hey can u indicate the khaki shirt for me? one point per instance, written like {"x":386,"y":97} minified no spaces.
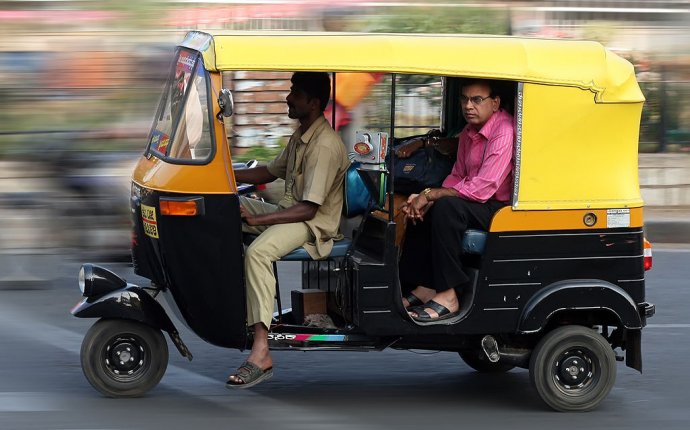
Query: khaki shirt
{"x":313,"y":165}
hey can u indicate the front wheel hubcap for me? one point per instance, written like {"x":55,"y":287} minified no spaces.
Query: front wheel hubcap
{"x":125,"y":358}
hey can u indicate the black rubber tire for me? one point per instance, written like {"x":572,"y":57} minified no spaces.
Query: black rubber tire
{"x":146,"y":351}
{"x":573,"y":368}
{"x":477,"y":360}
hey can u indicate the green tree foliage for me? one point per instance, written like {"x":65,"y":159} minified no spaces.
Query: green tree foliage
{"x":600,"y":31}
{"x":441,"y":19}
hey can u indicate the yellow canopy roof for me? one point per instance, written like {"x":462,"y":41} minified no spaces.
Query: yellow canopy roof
{"x":586,"y":65}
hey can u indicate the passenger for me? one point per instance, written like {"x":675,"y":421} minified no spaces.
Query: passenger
{"x":313,"y":165}
{"x":447,"y":142}
{"x":480,"y":183}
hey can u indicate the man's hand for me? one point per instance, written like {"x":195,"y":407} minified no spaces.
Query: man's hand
{"x":418,"y":206}
{"x":415,"y":207}
{"x":247,"y":217}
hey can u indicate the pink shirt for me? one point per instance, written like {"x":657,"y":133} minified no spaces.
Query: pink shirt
{"x":483,"y":168}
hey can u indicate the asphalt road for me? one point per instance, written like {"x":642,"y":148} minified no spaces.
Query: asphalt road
{"x":42,"y":386}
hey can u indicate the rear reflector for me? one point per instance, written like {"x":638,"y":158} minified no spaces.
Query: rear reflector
{"x":179,"y":208}
{"x":647,"y":255}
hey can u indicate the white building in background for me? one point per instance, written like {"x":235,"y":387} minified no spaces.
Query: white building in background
{"x":658,"y":27}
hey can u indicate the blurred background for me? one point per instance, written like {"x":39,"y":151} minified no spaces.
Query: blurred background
{"x":79,"y":82}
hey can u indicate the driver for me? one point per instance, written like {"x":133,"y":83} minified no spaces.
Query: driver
{"x":313,"y":164}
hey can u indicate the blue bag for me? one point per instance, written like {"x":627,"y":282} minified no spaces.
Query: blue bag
{"x":357,"y":199}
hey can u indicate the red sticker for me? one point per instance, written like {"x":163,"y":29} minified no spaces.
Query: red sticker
{"x":362,"y":148}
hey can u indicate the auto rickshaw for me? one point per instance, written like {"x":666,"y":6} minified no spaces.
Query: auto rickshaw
{"x":558,"y":280}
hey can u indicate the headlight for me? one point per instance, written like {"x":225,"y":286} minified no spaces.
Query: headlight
{"x":81,"y":280}
{"x":96,"y":281}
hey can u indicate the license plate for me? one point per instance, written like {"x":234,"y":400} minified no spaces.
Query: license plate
{"x":148,"y":216}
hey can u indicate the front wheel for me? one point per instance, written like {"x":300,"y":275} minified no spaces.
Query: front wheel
{"x":123,"y":358}
{"x":573,"y":368}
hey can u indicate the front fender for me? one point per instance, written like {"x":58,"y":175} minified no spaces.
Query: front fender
{"x":578,"y":294}
{"x":131,"y":302}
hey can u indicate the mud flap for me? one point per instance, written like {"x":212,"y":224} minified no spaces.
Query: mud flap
{"x":633,"y":349}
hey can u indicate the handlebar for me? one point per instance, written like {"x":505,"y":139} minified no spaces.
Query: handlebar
{"x":245,"y":188}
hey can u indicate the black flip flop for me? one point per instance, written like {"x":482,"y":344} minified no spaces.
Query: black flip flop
{"x":443,"y":312}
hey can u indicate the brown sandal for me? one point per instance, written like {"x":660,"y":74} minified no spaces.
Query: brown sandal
{"x":249,"y":374}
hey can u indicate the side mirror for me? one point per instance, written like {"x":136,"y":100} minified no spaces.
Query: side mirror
{"x":225,"y":102}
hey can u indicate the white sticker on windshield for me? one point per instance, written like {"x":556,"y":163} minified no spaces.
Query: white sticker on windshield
{"x":617,"y":218}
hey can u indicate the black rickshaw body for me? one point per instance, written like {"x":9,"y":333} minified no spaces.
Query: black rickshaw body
{"x":568,"y":253}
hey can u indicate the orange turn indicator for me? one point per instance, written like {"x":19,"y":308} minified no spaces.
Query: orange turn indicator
{"x":179,"y":208}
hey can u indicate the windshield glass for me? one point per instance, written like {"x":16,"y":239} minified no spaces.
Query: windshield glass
{"x":181,"y":129}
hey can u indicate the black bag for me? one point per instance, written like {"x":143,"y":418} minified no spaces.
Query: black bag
{"x":425,"y":168}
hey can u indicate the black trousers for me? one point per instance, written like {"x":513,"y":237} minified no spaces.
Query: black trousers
{"x":432,"y":250}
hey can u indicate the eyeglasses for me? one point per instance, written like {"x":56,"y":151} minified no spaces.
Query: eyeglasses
{"x":476,"y":100}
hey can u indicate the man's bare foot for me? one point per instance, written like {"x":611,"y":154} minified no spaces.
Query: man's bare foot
{"x":261,"y":358}
{"x":260,"y":355}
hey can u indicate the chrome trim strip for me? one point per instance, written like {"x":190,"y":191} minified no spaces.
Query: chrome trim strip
{"x":376,"y":312}
{"x":516,"y":284}
{"x":518,"y":143}
{"x":631,"y":280}
{"x":569,"y":258}
{"x":501,"y":309}
{"x":382,"y":287}
{"x":667,"y":326}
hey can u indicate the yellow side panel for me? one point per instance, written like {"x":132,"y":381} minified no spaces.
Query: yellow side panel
{"x":575,"y":153}
{"x":508,"y":219}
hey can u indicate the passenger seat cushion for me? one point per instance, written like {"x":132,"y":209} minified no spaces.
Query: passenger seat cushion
{"x":340,"y":247}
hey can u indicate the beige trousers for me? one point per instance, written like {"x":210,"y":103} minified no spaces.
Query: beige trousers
{"x":273,"y":242}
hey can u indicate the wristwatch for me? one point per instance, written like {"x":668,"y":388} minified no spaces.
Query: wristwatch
{"x":426,"y":193}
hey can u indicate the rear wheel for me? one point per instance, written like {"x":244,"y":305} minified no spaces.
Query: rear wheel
{"x":573,"y":368}
{"x":477,"y":360}
{"x":123,"y":358}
